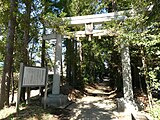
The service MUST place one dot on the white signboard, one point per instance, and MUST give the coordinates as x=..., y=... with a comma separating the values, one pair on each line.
x=31, y=76
x=34, y=76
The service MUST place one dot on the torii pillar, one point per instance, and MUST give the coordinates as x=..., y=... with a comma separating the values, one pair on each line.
x=126, y=72
x=57, y=66
x=56, y=99
x=129, y=103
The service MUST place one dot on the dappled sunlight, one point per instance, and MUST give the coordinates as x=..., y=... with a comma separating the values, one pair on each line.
x=91, y=107
x=106, y=104
x=6, y=112
x=33, y=111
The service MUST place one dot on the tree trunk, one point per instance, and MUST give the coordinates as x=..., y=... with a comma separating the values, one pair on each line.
x=74, y=70
x=43, y=54
x=144, y=65
x=43, y=51
x=68, y=61
x=43, y=60
x=12, y=84
x=8, y=63
x=26, y=39
x=72, y=59
x=26, y=31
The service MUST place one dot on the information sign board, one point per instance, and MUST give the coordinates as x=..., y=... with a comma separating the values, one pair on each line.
x=34, y=76
x=31, y=76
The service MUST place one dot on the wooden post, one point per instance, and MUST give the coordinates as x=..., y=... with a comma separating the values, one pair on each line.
x=28, y=95
x=46, y=89
x=57, y=66
x=19, y=86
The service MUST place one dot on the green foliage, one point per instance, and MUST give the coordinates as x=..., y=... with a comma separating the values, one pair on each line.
x=83, y=7
x=124, y=4
x=4, y=7
x=1, y=69
x=93, y=63
x=155, y=112
x=56, y=23
x=2, y=48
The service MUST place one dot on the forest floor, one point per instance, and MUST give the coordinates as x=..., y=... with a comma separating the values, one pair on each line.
x=97, y=104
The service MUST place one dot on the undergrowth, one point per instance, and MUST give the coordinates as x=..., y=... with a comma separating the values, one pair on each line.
x=155, y=112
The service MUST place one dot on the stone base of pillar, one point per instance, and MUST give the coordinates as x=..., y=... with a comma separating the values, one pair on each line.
x=124, y=105
x=58, y=100
x=130, y=110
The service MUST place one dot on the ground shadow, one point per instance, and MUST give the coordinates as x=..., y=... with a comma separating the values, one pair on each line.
x=35, y=111
x=94, y=110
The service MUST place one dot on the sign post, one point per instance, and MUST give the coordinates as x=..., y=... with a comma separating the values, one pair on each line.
x=31, y=77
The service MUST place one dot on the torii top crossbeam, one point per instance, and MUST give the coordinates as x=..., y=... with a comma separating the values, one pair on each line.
x=92, y=19
x=97, y=18
x=89, y=20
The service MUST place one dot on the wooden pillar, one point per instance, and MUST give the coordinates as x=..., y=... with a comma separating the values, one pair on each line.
x=126, y=72
x=57, y=66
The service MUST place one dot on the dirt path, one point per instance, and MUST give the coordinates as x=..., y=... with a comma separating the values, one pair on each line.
x=95, y=106
x=98, y=104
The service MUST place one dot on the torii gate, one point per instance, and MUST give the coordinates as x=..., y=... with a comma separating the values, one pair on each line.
x=89, y=21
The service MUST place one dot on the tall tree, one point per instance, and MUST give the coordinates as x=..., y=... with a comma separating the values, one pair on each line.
x=27, y=22
x=26, y=39
x=8, y=63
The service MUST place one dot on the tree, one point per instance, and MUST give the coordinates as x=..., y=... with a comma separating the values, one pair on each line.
x=26, y=24
x=8, y=63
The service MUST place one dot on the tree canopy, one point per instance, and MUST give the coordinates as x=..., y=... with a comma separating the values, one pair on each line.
x=23, y=23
